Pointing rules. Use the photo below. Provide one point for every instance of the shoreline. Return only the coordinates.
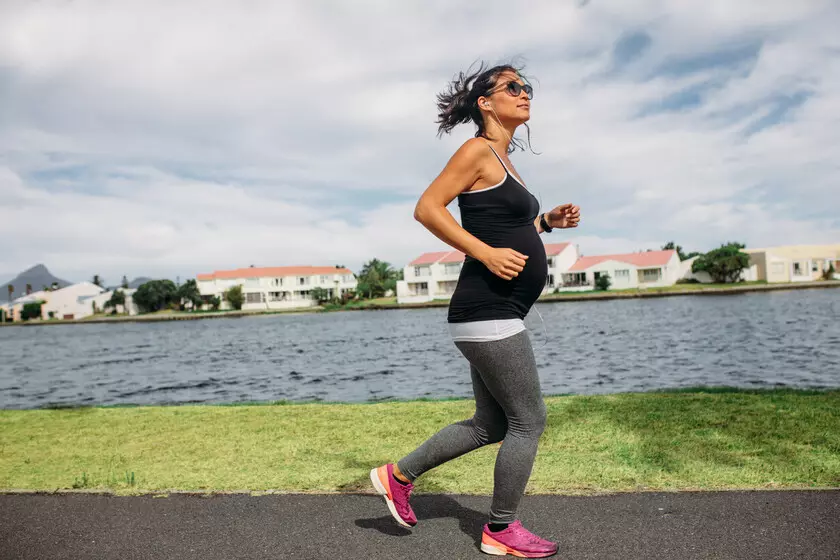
(547, 298)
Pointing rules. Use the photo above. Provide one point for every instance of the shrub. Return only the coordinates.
(31, 310)
(234, 297)
(603, 282)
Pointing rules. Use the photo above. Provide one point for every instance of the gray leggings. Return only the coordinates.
(508, 408)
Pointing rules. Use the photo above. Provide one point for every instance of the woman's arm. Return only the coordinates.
(462, 172)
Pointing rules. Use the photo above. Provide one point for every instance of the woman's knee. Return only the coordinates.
(489, 432)
(532, 423)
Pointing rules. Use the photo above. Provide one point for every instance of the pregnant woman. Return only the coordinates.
(504, 272)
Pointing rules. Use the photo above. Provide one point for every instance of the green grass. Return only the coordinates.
(697, 439)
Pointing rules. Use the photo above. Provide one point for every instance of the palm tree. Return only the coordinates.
(97, 280)
(11, 291)
(28, 289)
(376, 277)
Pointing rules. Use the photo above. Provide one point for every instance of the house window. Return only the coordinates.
(422, 271)
(814, 267)
(797, 269)
(277, 282)
(651, 274)
(550, 261)
(324, 279)
(254, 297)
(420, 288)
(303, 280)
(452, 268)
(623, 274)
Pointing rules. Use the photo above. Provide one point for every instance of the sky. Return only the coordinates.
(167, 139)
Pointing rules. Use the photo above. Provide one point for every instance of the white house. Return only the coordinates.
(793, 263)
(633, 270)
(69, 302)
(12, 310)
(102, 299)
(435, 275)
(281, 287)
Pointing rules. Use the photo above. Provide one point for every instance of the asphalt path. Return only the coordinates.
(671, 525)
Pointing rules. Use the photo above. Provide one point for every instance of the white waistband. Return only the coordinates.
(485, 331)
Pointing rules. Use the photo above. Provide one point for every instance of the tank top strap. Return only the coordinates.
(499, 158)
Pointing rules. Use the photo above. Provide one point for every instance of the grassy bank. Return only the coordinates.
(696, 439)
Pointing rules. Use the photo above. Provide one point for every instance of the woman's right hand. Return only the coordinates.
(504, 263)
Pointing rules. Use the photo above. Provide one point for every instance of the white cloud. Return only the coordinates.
(163, 138)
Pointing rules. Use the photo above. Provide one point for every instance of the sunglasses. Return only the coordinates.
(515, 89)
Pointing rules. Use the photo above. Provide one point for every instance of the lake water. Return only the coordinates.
(773, 339)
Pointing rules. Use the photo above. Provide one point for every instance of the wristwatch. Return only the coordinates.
(544, 224)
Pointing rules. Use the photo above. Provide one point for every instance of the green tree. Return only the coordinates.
(829, 272)
(31, 310)
(603, 282)
(215, 302)
(53, 286)
(124, 283)
(117, 298)
(11, 290)
(28, 289)
(320, 295)
(155, 295)
(188, 292)
(724, 264)
(234, 297)
(375, 278)
(97, 280)
(671, 246)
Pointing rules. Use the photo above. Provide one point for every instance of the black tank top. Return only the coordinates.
(503, 217)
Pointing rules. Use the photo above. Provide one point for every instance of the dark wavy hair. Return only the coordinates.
(459, 103)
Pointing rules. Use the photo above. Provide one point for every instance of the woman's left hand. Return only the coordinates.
(564, 216)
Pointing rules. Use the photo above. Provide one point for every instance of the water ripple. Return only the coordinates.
(783, 339)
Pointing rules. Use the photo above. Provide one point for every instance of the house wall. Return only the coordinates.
(440, 278)
(64, 303)
(560, 264)
(633, 276)
(284, 292)
(86, 305)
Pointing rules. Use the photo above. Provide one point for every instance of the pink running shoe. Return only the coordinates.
(395, 494)
(516, 540)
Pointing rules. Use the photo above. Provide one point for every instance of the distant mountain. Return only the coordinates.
(38, 276)
(136, 283)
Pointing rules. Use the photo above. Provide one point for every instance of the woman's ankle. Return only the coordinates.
(400, 476)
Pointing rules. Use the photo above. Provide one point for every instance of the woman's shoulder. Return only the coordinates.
(473, 150)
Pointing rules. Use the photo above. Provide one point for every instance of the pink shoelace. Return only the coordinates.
(403, 506)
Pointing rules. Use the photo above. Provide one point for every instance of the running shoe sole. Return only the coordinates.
(489, 545)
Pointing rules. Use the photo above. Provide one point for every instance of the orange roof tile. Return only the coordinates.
(453, 257)
(273, 271)
(640, 260)
(428, 258)
(552, 249)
